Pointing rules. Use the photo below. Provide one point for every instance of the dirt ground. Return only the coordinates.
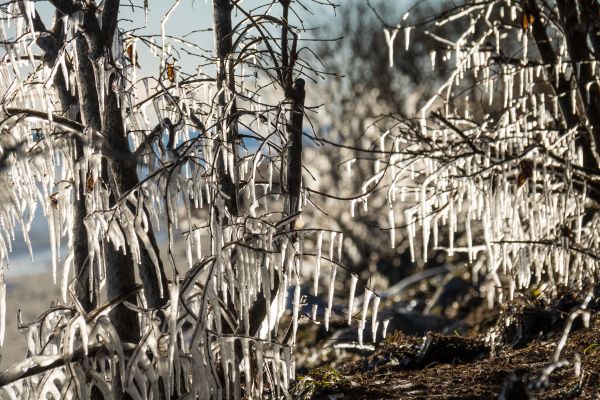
(517, 364)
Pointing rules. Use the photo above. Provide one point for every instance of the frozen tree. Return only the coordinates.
(110, 156)
(505, 153)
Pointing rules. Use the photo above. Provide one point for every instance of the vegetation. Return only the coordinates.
(110, 155)
(448, 177)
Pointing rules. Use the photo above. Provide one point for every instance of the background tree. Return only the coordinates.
(506, 149)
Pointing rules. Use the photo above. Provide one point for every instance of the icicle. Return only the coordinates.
(353, 282)
(296, 311)
(349, 167)
(270, 176)
(410, 227)
(363, 321)
(407, 37)
(330, 295)
(469, 236)
(53, 241)
(389, 40)
(340, 246)
(65, 276)
(332, 244)
(386, 322)
(451, 228)
(391, 219)
(374, 322)
(317, 270)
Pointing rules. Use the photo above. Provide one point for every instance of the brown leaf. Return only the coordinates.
(171, 72)
(527, 21)
(54, 200)
(525, 172)
(131, 57)
(521, 180)
(89, 184)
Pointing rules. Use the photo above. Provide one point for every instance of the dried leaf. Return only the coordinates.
(89, 185)
(131, 57)
(171, 72)
(54, 200)
(527, 21)
(521, 179)
(525, 172)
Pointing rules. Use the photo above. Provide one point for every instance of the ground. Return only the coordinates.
(506, 352)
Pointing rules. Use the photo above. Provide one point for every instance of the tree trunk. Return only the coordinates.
(123, 176)
(226, 173)
(294, 154)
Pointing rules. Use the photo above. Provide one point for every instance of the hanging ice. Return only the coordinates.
(353, 282)
(389, 40)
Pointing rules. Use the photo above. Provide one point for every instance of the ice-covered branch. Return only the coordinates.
(36, 365)
(64, 122)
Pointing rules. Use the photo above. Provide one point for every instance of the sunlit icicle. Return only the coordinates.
(340, 246)
(330, 294)
(407, 31)
(389, 40)
(53, 240)
(392, 228)
(365, 309)
(386, 322)
(353, 282)
(65, 275)
(410, 229)
(374, 322)
(296, 310)
(331, 244)
(317, 270)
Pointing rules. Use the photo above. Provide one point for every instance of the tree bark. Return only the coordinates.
(583, 70)
(294, 154)
(226, 177)
(561, 88)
